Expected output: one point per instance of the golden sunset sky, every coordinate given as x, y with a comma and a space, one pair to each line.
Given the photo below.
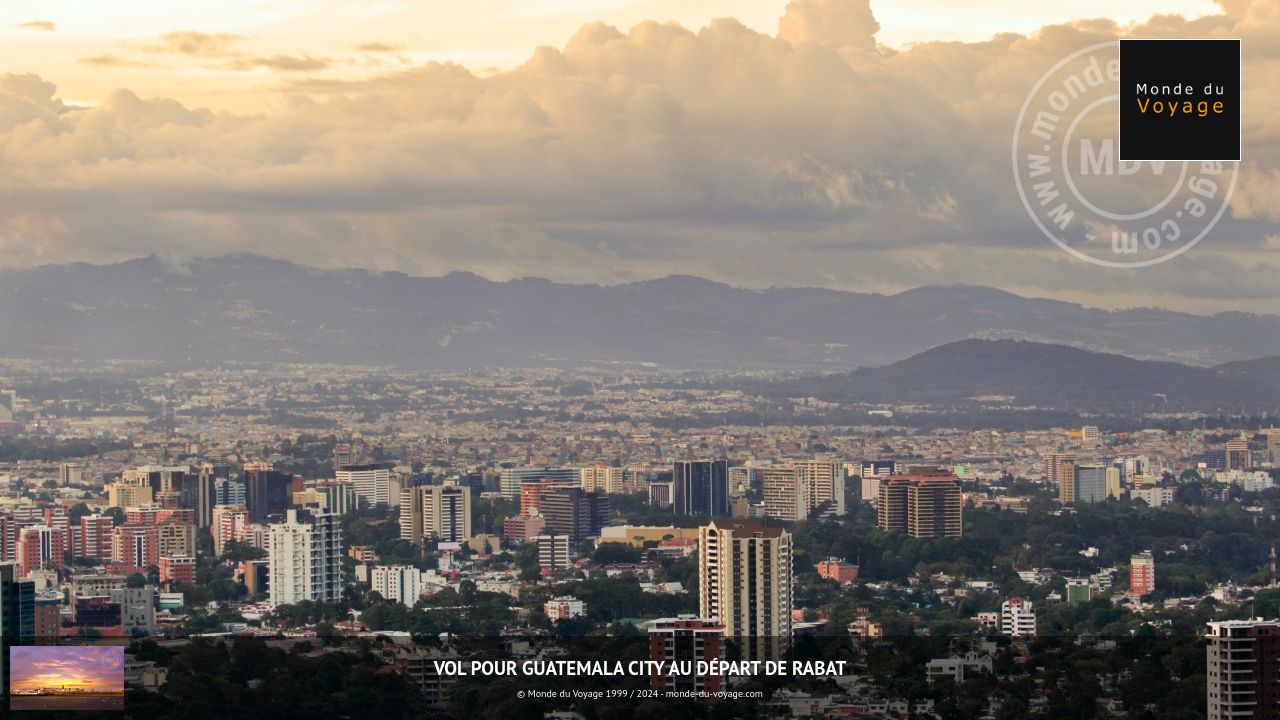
836, 143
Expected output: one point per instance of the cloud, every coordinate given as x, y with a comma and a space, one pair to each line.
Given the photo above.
44, 25
283, 63
832, 23
108, 60
809, 157
188, 42
379, 47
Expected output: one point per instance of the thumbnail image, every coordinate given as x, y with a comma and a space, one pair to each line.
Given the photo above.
66, 678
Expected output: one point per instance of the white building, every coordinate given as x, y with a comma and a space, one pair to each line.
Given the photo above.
564, 608
442, 512
1153, 496
305, 559
601, 478
401, 583
745, 584
1018, 618
956, 667
372, 483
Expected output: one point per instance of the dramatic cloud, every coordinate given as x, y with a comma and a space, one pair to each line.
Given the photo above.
811, 157
186, 42
44, 25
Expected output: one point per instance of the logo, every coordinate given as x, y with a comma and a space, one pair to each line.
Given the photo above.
1082, 196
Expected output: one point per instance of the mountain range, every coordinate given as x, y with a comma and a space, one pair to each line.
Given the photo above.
253, 308
993, 373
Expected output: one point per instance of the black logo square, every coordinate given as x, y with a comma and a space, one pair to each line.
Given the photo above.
1179, 99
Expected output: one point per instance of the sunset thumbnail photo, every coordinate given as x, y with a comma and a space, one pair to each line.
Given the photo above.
66, 678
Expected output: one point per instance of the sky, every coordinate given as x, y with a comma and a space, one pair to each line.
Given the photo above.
836, 143
89, 667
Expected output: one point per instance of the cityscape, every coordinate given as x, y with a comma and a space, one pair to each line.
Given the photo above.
550, 513
632, 359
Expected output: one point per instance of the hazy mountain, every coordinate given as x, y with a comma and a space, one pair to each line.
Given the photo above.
999, 372
254, 308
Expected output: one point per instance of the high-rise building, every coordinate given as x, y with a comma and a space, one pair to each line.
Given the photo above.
1242, 670
95, 537
701, 487
785, 494
601, 478
40, 546
1090, 435
662, 494
442, 512
802, 490
1060, 472
744, 584
176, 539
1238, 454
70, 474
1018, 618
925, 504
17, 614
208, 481
178, 569
305, 557
1113, 482
371, 482
161, 479
135, 546
230, 522
398, 583
554, 553
123, 494
1091, 483
267, 491
1273, 445
510, 480
870, 473
826, 483
742, 479
573, 512
685, 639
1142, 574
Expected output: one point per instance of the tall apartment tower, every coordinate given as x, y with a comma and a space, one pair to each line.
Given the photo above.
442, 512
926, 504
701, 487
372, 482
801, 490
1060, 472
785, 495
745, 575
305, 559
1242, 672
1142, 574
601, 478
